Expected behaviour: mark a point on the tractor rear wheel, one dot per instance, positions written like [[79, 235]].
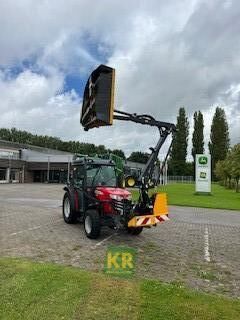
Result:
[[69, 215], [135, 231], [92, 224]]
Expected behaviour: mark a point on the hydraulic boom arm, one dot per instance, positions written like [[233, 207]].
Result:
[[98, 110], [165, 129]]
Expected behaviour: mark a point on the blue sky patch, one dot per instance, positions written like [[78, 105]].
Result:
[[12, 71], [99, 53], [76, 82]]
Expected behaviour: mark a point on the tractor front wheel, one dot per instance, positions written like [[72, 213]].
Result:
[[92, 224], [69, 215], [135, 231]]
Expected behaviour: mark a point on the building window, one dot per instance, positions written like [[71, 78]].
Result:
[[3, 174], [14, 175], [5, 154]]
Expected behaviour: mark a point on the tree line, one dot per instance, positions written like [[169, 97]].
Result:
[[228, 170], [218, 144], [20, 136], [224, 164], [225, 160]]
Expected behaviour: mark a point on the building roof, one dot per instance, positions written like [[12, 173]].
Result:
[[19, 146]]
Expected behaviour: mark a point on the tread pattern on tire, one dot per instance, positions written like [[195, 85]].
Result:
[[96, 223], [73, 216]]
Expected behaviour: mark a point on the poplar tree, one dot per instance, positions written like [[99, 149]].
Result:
[[197, 137], [180, 143], [219, 137]]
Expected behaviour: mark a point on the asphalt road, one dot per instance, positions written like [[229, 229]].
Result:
[[197, 247]]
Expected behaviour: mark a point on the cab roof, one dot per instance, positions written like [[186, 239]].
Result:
[[80, 160]]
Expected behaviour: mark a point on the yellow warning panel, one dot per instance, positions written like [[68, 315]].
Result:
[[160, 205], [142, 221]]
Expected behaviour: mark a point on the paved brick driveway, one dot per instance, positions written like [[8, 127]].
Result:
[[198, 247]]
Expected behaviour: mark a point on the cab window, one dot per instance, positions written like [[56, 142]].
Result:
[[101, 176], [78, 176]]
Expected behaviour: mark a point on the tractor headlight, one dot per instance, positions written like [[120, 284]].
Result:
[[99, 193], [120, 198], [116, 197]]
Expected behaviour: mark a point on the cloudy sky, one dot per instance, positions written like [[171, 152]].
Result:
[[167, 54]]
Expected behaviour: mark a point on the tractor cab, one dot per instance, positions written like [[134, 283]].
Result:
[[99, 179], [90, 173]]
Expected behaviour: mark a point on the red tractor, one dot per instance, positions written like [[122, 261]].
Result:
[[95, 194]]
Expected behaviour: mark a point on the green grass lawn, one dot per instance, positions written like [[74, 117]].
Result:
[[183, 195], [31, 290]]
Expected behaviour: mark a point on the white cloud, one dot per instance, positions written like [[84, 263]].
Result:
[[167, 55], [34, 102]]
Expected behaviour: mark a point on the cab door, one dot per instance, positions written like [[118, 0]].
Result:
[[78, 183]]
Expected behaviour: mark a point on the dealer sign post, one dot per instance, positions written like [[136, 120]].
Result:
[[203, 173]]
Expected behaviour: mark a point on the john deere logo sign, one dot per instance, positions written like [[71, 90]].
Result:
[[202, 160], [203, 173]]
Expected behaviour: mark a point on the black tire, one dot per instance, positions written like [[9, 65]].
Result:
[[135, 231], [69, 215], [92, 224]]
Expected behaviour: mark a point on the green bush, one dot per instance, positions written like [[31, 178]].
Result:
[[228, 170]]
